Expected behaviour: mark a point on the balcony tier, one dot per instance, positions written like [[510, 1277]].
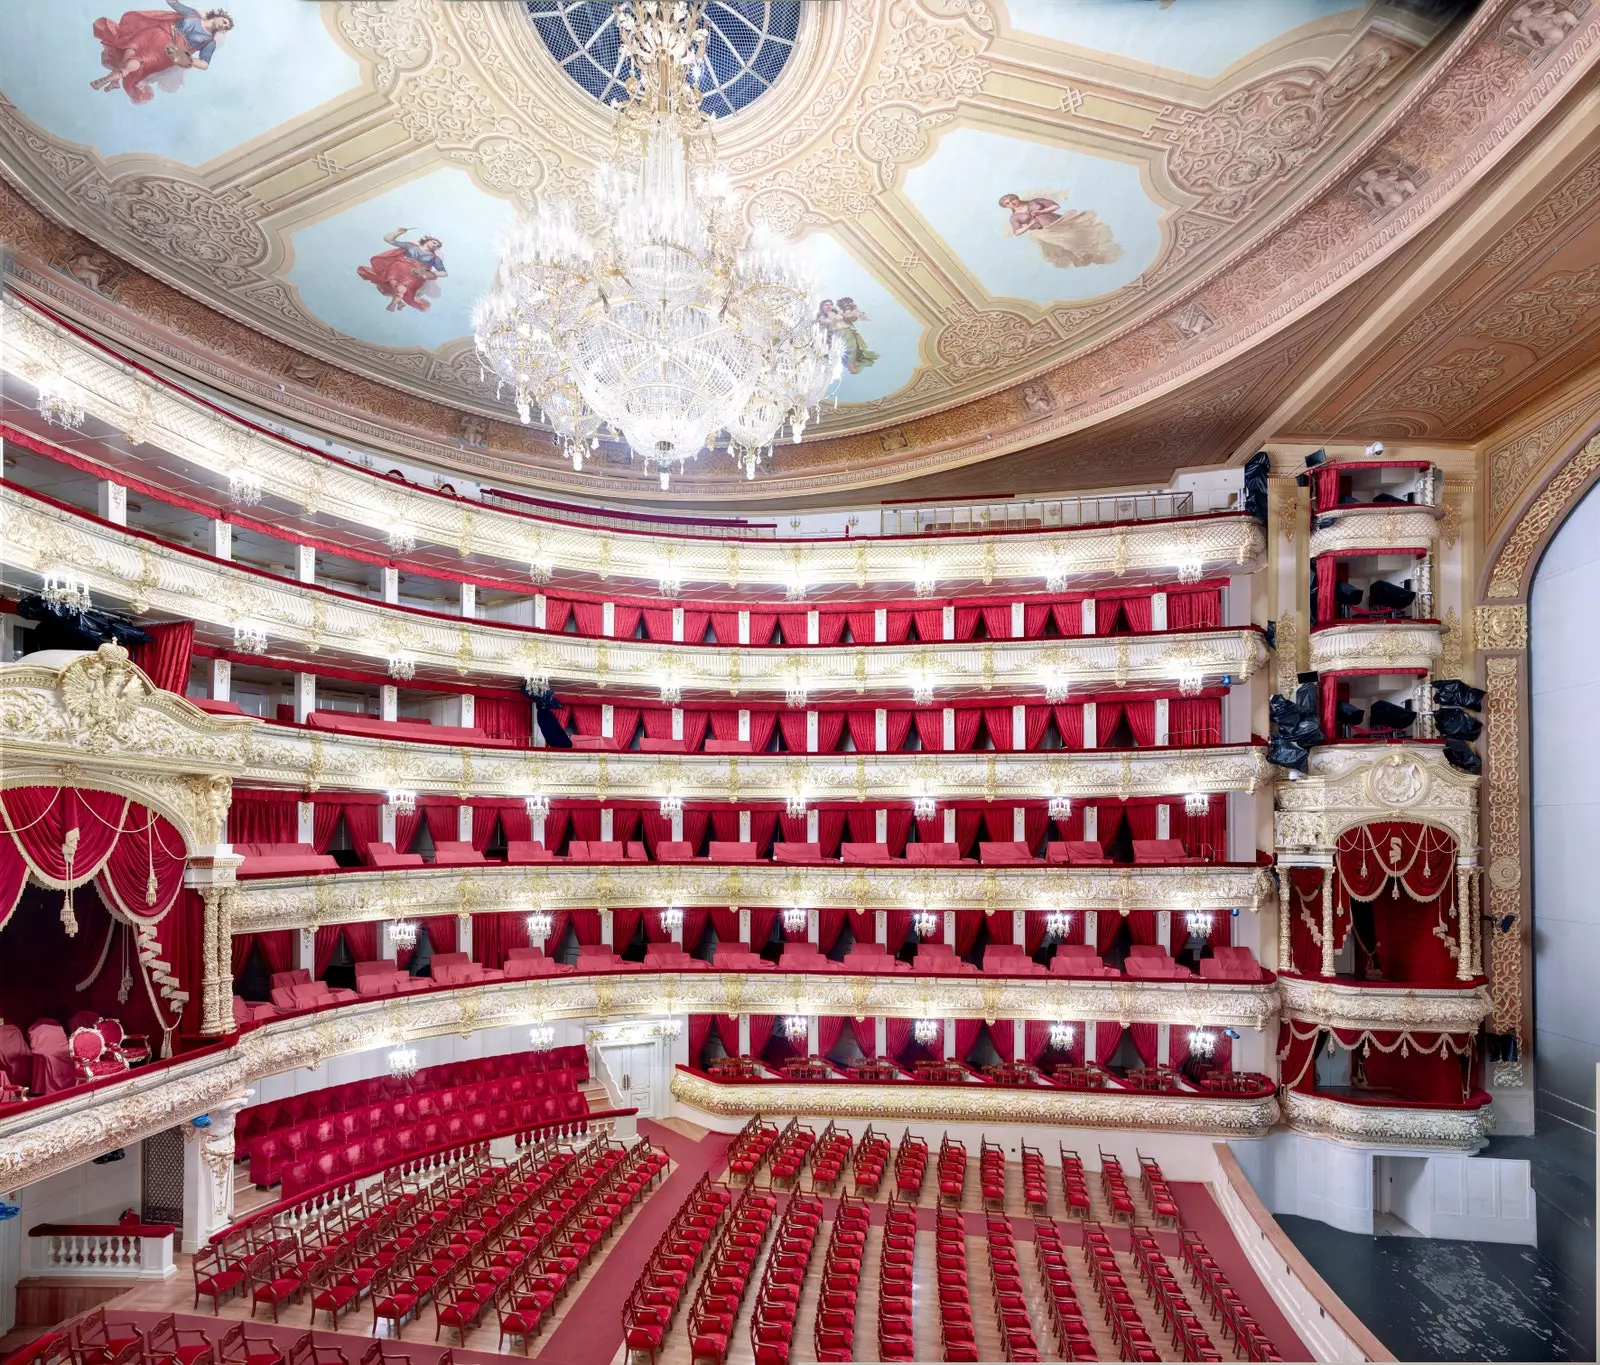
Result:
[[1376, 530], [1383, 1006], [1379, 1124], [312, 623], [1401, 646]]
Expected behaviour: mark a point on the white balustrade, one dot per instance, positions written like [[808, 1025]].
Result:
[[98, 1254]]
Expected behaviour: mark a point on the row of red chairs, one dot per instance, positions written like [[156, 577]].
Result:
[[653, 1302], [952, 1170], [955, 1295], [793, 1149], [778, 1296], [1073, 1341], [271, 1114], [834, 1331], [1035, 1188], [1163, 1203], [829, 1157], [727, 1279], [868, 1161], [1182, 1323], [96, 1340], [992, 1174], [1116, 1299], [1236, 1319], [896, 1277], [750, 1149], [1010, 1302], [1119, 1198], [1074, 1184], [910, 1165]]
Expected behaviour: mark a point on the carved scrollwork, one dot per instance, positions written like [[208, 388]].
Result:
[[1363, 1125], [1351, 1006], [1403, 645]]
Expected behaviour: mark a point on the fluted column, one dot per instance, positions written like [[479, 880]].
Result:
[[1285, 881], [1327, 921], [1463, 922]]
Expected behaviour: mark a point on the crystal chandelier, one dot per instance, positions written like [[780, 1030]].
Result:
[[794, 806], [249, 638], [794, 693], [540, 923], [1202, 1042], [1190, 569], [403, 933], [672, 920], [67, 590], [404, 802], [1060, 808], [671, 807], [1198, 922], [1061, 1036], [670, 584], [541, 1037], [1056, 688], [402, 667], [1191, 683], [537, 806], [244, 486], [1196, 803], [1059, 923], [539, 572], [795, 921], [671, 690], [796, 1027], [924, 807], [926, 1031], [926, 923], [403, 1062], [921, 689], [1056, 580], [666, 322], [59, 402]]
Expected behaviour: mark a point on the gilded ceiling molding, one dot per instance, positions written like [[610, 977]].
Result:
[[1167, 1113], [155, 731], [265, 903], [1366, 1125], [307, 621], [1356, 206]]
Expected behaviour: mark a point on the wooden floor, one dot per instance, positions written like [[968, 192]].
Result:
[[177, 1294]]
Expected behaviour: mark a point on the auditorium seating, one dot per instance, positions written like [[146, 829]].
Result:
[[522, 851], [1035, 1190], [1152, 962], [384, 978], [750, 1149], [671, 957], [1187, 1332], [1074, 1184], [729, 1270], [737, 957], [955, 1293], [1116, 1299], [939, 959], [1166, 851], [381, 854], [1079, 960], [936, 855], [1237, 1320], [1077, 852], [772, 1322], [910, 1165], [295, 990], [455, 853], [410, 731], [866, 855], [872, 957], [896, 1278], [992, 1174], [1010, 959], [829, 1157], [834, 1327], [282, 860], [1115, 1184], [868, 1161], [1073, 1340], [1012, 1318], [652, 1304], [951, 1171], [797, 853], [457, 969], [523, 963], [1158, 1194], [1006, 854], [1231, 964]]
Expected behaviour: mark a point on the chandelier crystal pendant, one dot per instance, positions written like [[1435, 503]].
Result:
[[537, 806], [1058, 923], [1202, 1042], [672, 920], [796, 921], [794, 806], [67, 590], [542, 1037], [1060, 808], [402, 667], [1199, 922], [1061, 1035], [926, 923], [403, 933], [796, 1027], [1196, 803], [924, 807], [540, 923], [403, 1062], [671, 806], [926, 1031], [652, 312], [249, 638], [404, 802]]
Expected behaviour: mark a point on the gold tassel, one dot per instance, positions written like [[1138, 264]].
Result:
[[69, 849]]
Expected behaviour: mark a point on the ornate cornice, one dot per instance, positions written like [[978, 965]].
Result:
[[1347, 1005], [1375, 530], [1352, 784], [45, 1140], [981, 1104], [1402, 645], [170, 420], [308, 621], [1365, 1125], [347, 897], [160, 730]]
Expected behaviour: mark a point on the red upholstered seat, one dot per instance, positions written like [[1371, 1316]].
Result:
[[1010, 959], [662, 746], [674, 851], [796, 853], [1079, 960], [603, 743], [728, 746], [527, 851], [380, 854], [1161, 851], [282, 860], [1151, 962], [941, 959], [455, 853], [866, 855], [724, 851], [1077, 852], [457, 969], [383, 978], [91, 1057], [522, 963], [1005, 854], [935, 854]]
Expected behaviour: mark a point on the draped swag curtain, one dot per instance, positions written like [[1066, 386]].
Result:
[[1426, 1068], [165, 660]]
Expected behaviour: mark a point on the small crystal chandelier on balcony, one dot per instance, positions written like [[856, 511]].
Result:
[[1057, 688], [1196, 803], [671, 807], [924, 807], [926, 923], [671, 689], [537, 806], [404, 802], [1191, 682], [402, 539], [1058, 923], [796, 920], [921, 689], [1190, 567], [542, 1037], [667, 322], [540, 923], [403, 1062], [59, 401], [249, 638], [244, 486], [672, 920], [402, 667], [796, 1027], [1199, 922], [403, 933], [1202, 1042], [794, 806], [1061, 1035], [1060, 808], [65, 589], [926, 1031], [794, 693]]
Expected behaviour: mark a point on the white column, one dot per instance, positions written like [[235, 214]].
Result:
[[1091, 927], [880, 625], [811, 827], [607, 721], [540, 607], [1019, 824], [1090, 1028], [1091, 823], [677, 827], [221, 680], [305, 696], [744, 725], [608, 618], [744, 827], [389, 702], [949, 1039], [469, 710], [950, 928], [1019, 728], [1163, 725], [677, 933], [677, 625], [605, 930], [880, 927], [948, 729], [744, 926], [1163, 821], [744, 1035], [813, 927], [1164, 928], [464, 934], [305, 950], [949, 623], [1158, 611], [208, 1174], [388, 949], [813, 627], [386, 823], [744, 627], [464, 823], [305, 822], [1019, 1039], [1091, 738], [1018, 621], [880, 826], [1163, 1044], [949, 825], [305, 563], [391, 584], [469, 600], [880, 1036], [222, 539], [537, 829], [813, 1041], [677, 722], [811, 732], [111, 502], [880, 729], [1019, 928], [607, 823]]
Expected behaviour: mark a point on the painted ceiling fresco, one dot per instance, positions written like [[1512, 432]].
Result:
[[985, 188]]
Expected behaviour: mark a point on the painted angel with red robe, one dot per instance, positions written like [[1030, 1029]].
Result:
[[406, 272], [154, 47]]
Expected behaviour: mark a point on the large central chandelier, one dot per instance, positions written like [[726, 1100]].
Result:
[[654, 313]]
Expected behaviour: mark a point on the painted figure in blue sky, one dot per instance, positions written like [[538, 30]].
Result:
[[405, 274], [1066, 237], [154, 47], [839, 320]]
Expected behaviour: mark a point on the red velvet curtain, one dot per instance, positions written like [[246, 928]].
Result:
[[165, 660], [1035, 1039], [1194, 720], [444, 822], [1002, 1033], [1142, 721], [998, 721], [792, 726], [830, 924], [897, 727], [830, 831], [1194, 609], [694, 625], [1142, 926], [930, 729], [1069, 617], [761, 922], [1034, 930], [863, 731], [40, 820], [896, 925], [968, 922], [830, 1028], [830, 729], [967, 1031], [968, 822], [968, 718], [930, 624], [590, 616], [699, 1035], [863, 925], [1000, 926], [1137, 610], [504, 718], [897, 831], [1038, 720], [896, 1037], [1145, 1040], [361, 822], [325, 817], [263, 817], [586, 927], [761, 1026], [1069, 721], [1107, 1038], [1203, 836], [1108, 923], [276, 945]]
